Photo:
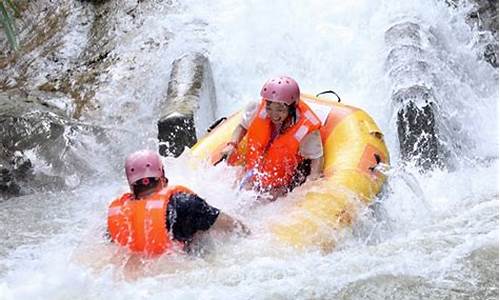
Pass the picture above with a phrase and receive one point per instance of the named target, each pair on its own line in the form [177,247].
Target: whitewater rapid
[433,235]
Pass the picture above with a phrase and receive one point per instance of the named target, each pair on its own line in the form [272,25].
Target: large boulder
[413,97]
[190,106]
[482,16]
[62,77]
[50,60]
[41,149]
[417,128]
[430,100]
[66,49]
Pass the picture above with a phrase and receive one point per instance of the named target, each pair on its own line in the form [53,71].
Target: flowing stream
[430,236]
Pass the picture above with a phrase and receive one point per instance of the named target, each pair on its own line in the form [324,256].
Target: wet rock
[417,130]
[427,92]
[51,86]
[190,104]
[175,132]
[65,48]
[24,125]
[483,17]
[50,56]
[403,34]
[41,147]
[8,187]
[408,66]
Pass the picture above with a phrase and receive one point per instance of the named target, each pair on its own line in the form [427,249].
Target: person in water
[155,217]
[282,133]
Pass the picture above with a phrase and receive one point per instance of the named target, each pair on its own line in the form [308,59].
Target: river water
[430,236]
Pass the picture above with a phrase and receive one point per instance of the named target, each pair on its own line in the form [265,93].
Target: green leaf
[8,26]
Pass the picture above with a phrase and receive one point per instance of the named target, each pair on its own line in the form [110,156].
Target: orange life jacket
[140,224]
[274,162]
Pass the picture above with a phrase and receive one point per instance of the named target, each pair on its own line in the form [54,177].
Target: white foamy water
[433,235]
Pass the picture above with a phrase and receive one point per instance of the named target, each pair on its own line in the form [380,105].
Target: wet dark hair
[145,184]
[292,112]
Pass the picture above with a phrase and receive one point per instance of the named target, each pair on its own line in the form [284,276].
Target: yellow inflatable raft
[353,147]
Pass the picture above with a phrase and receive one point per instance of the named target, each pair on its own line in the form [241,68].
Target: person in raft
[156,217]
[283,141]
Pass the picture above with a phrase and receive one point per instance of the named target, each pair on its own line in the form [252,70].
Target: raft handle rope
[329,92]
[216,123]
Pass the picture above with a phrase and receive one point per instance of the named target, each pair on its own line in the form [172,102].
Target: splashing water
[432,235]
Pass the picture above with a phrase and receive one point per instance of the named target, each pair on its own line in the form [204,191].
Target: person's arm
[311,147]
[237,136]
[227,224]
[188,214]
[240,131]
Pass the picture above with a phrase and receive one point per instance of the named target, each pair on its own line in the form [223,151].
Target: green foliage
[9,10]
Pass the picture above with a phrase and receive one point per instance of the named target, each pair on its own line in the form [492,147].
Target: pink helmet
[281,89]
[143,164]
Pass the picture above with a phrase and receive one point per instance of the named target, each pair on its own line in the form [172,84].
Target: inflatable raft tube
[353,147]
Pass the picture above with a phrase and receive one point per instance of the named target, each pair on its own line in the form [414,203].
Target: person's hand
[228,150]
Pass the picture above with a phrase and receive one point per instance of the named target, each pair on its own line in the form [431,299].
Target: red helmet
[281,89]
[143,164]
